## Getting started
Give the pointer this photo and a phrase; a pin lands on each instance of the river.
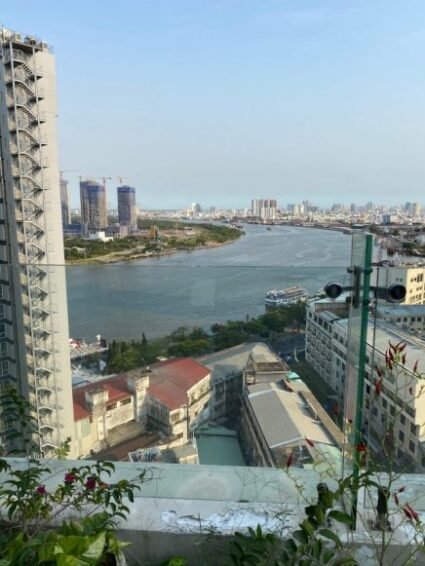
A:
(157, 295)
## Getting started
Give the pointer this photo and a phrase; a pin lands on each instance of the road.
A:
(286, 345)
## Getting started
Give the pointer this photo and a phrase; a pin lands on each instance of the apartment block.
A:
(397, 414)
(34, 351)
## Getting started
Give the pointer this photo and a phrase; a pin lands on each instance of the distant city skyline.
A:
(228, 101)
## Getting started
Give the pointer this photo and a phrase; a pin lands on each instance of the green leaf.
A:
(340, 516)
(327, 533)
(300, 536)
(307, 527)
(96, 547)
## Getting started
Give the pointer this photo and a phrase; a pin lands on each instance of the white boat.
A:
(282, 297)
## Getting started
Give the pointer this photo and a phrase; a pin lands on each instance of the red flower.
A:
(391, 347)
(411, 513)
(289, 460)
(390, 364)
(403, 359)
(415, 367)
(361, 447)
(41, 490)
(91, 483)
(70, 478)
(402, 347)
(379, 371)
(378, 387)
(309, 442)
(391, 356)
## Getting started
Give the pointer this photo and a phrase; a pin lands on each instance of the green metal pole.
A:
(363, 302)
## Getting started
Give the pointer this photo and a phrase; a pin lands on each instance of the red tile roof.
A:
(171, 380)
(115, 386)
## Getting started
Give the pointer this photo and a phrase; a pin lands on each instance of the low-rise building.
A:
(177, 397)
(170, 398)
(282, 420)
(252, 362)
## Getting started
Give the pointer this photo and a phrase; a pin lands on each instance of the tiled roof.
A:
(171, 380)
(115, 386)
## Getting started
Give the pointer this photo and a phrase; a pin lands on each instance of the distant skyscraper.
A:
(256, 207)
(416, 209)
(195, 209)
(93, 205)
(34, 348)
(269, 209)
(66, 213)
(126, 197)
(266, 209)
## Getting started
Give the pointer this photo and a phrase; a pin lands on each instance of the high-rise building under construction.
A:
(94, 214)
(127, 215)
(34, 349)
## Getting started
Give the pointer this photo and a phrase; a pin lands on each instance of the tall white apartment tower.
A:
(34, 350)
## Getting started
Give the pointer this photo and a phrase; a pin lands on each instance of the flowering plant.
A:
(83, 508)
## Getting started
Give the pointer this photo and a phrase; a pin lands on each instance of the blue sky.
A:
(221, 101)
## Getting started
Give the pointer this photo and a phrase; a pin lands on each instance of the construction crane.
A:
(68, 171)
(120, 179)
(104, 179)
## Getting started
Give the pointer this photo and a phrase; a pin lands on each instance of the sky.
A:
(222, 101)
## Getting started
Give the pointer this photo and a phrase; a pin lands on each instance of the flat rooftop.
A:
(284, 417)
(400, 311)
(227, 363)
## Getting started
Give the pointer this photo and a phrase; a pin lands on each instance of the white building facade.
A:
(34, 352)
(397, 415)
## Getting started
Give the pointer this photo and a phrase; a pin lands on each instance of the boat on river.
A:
(284, 297)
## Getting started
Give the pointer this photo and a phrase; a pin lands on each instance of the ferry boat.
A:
(283, 297)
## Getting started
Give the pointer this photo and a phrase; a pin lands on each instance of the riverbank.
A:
(132, 255)
(150, 245)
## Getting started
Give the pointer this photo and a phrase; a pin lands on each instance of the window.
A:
(4, 367)
(111, 406)
(125, 401)
(2, 330)
(412, 428)
(384, 403)
(412, 447)
(401, 436)
(392, 410)
(402, 419)
(3, 349)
